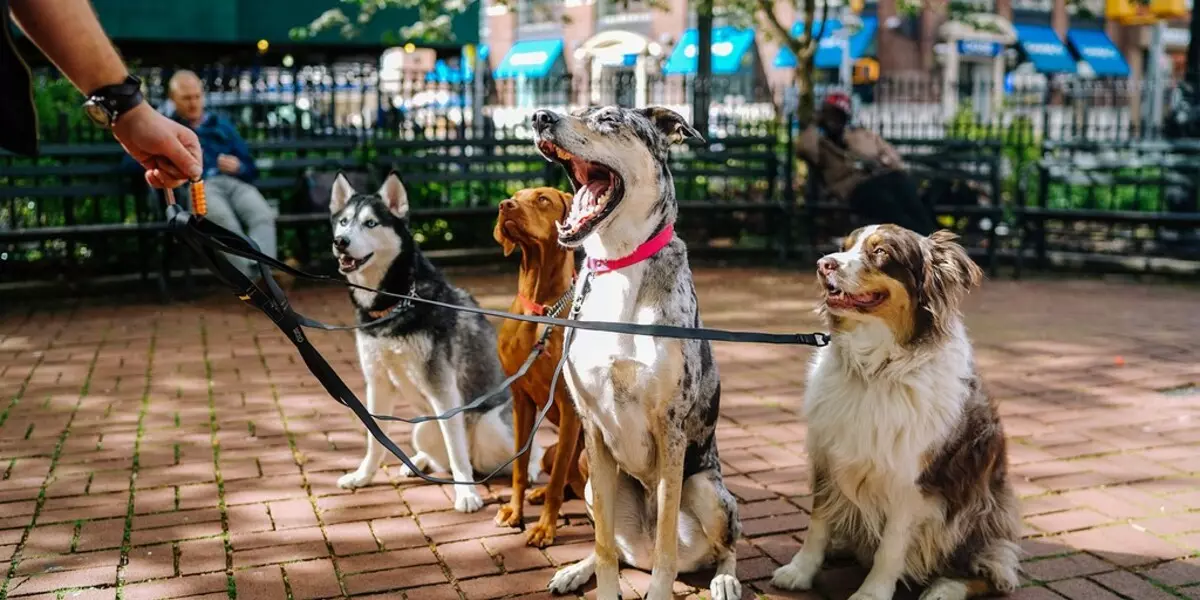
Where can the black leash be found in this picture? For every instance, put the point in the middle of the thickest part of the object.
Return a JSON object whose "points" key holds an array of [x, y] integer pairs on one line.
{"points": [[240, 247], [195, 232], [210, 241]]}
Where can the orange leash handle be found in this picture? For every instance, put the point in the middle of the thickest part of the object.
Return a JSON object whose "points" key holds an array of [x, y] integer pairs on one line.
{"points": [[199, 202]]}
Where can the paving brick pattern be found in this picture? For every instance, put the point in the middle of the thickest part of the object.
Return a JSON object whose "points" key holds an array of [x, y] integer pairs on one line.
{"points": [[185, 451]]}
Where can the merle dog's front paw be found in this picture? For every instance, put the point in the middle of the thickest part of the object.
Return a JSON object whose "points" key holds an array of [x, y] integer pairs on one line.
{"points": [[725, 587], [468, 502], [355, 479]]}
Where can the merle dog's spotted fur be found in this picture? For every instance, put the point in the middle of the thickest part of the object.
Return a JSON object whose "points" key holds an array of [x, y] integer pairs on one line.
{"points": [[649, 414]]}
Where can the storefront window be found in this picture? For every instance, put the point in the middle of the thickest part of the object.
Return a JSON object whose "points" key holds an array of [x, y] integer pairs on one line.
{"points": [[536, 11], [1033, 5], [609, 8]]}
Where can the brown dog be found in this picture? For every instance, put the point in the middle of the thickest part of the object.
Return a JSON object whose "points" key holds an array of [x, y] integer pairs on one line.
{"points": [[547, 271]]}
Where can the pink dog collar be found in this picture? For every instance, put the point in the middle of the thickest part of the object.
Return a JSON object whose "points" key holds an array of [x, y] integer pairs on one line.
{"points": [[648, 248]]}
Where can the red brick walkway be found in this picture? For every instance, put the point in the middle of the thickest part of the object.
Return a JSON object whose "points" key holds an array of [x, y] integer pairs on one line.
{"points": [[184, 451]]}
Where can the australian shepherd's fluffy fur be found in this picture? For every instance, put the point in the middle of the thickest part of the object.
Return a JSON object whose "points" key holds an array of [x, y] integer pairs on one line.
{"points": [[909, 469]]}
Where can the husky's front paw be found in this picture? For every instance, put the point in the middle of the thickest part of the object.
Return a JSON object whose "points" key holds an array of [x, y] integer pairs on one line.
{"points": [[355, 479], [796, 575], [467, 501], [421, 460]]}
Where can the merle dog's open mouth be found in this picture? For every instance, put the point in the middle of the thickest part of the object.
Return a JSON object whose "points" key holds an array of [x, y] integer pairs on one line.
{"points": [[349, 264], [598, 191], [837, 298]]}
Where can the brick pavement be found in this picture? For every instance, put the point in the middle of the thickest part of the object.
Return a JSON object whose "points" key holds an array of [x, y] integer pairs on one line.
{"points": [[184, 451]]}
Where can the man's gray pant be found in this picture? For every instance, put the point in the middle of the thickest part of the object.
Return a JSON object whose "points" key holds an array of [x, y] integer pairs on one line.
{"points": [[240, 207]]}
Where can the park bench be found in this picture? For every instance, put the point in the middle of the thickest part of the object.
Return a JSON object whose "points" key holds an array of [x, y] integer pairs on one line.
{"points": [[728, 189], [960, 180], [74, 215], [1126, 207]]}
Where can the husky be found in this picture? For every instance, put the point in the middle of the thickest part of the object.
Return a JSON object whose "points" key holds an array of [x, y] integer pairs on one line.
{"points": [[437, 358], [648, 405]]}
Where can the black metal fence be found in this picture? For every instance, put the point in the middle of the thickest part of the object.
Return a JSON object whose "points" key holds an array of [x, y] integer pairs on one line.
{"points": [[1018, 192]]}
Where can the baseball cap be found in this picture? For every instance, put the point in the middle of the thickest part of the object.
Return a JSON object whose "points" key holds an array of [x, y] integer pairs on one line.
{"points": [[839, 100]]}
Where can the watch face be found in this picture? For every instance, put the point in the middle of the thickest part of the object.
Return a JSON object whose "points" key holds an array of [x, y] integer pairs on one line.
{"points": [[96, 113]]}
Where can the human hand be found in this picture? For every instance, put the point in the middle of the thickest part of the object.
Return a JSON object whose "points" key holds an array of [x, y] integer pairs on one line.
{"points": [[169, 151], [229, 164]]}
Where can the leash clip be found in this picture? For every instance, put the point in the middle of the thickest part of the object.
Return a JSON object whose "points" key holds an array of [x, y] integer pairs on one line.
{"points": [[822, 339]]}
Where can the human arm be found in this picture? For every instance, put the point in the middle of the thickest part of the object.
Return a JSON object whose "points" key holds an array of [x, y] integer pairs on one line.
{"points": [[69, 34], [246, 169], [809, 143], [888, 156]]}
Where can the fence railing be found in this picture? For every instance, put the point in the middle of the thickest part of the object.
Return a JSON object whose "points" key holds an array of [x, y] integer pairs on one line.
{"points": [[359, 99], [72, 213]]}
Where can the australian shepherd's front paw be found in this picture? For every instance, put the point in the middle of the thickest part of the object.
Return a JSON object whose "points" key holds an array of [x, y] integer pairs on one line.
{"points": [[572, 577], [865, 594], [796, 575]]}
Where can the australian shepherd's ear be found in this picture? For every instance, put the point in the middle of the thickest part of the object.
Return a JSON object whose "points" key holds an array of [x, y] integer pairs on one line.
{"points": [[949, 275]]}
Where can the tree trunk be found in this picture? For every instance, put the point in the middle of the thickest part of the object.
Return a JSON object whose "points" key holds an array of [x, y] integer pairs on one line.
{"points": [[1192, 72]]}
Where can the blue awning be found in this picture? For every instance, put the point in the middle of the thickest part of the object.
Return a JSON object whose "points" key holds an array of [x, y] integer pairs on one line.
{"points": [[444, 73], [730, 47], [1044, 49], [530, 58], [829, 50], [1094, 47]]}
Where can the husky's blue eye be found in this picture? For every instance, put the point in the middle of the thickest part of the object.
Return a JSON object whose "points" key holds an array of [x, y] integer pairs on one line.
{"points": [[344, 221], [370, 223]]}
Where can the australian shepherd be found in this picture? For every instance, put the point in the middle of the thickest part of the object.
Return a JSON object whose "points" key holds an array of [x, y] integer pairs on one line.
{"points": [[909, 468]]}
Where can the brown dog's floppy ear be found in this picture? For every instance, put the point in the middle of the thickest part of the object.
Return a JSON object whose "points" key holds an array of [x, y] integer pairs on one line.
{"points": [[949, 275], [498, 235], [671, 124]]}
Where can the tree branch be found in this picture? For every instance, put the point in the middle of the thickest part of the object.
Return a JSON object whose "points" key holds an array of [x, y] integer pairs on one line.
{"points": [[767, 9]]}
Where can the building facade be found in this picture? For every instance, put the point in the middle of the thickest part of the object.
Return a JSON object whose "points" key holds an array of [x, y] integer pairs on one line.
{"points": [[1002, 44]]}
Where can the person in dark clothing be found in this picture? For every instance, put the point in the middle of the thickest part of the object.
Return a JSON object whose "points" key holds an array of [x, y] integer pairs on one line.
{"points": [[862, 169], [69, 34]]}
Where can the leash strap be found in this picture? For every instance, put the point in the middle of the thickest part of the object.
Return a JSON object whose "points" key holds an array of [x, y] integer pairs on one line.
{"points": [[222, 239], [194, 232]]}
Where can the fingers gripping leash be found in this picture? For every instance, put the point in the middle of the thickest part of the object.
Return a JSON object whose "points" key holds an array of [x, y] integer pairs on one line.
{"points": [[199, 200], [211, 242]]}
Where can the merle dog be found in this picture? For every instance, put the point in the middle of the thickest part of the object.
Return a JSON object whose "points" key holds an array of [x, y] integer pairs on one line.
{"points": [[438, 358], [648, 405]]}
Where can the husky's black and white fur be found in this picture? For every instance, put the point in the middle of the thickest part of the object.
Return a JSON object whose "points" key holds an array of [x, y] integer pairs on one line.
{"points": [[435, 357], [648, 405]]}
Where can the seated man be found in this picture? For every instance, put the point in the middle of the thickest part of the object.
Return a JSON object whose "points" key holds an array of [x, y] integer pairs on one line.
{"points": [[229, 172], [860, 168]]}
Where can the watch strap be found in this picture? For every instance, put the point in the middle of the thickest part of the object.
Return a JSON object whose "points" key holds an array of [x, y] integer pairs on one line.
{"points": [[118, 98]]}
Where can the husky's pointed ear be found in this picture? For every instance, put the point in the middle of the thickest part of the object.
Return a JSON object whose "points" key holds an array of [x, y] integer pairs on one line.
{"points": [[340, 194], [394, 195], [671, 124]]}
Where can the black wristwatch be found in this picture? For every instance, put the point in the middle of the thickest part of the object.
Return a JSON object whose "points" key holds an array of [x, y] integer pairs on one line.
{"points": [[105, 105]]}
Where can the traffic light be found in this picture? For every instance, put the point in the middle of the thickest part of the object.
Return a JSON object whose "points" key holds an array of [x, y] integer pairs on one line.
{"points": [[1130, 12], [1168, 9]]}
